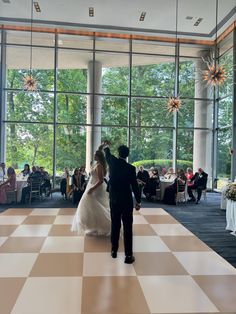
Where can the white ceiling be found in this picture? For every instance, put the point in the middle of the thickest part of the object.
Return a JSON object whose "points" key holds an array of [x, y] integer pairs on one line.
{"points": [[122, 16]]}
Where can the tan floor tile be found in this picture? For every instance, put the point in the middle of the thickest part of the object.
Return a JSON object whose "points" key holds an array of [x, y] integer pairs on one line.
{"points": [[22, 245], [58, 264], [125, 295], [7, 230], [10, 289], [184, 243], [17, 211], [67, 211], [62, 231], [143, 230], [100, 244], [221, 290], [162, 263], [160, 219], [39, 220]]}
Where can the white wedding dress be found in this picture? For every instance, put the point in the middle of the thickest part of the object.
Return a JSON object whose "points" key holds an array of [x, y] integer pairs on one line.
{"points": [[93, 212]]}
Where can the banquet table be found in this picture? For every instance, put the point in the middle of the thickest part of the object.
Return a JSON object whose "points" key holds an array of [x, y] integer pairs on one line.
{"points": [[231, 216], [163, 184], [21, 182]]}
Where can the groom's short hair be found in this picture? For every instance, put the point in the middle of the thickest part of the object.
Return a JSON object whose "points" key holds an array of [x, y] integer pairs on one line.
{"points": [[123, 151]]}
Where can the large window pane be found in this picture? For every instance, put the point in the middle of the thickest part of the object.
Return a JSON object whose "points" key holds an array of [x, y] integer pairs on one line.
{"points": [[150, 144], [24, 38], [31, 144], [114, 110], [227, 62], [117, 136], [18, 64], [224, 157], [72, 70], [75, 41], [153, 76], [153, 47], [115, 73], [187, 78], [113, 44], [71, 147], [30, 106], [185, 149], [71, 108], [225, 112], [186, 114], [150, 112]]}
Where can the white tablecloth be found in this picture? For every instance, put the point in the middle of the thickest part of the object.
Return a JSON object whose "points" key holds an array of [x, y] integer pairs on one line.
{"points": [[20, 184], [163, 185], [231, 215], [223, 198]]}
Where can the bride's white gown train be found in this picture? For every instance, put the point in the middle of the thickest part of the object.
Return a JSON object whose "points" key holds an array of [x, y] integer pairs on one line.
{"points": [[93, 212]]}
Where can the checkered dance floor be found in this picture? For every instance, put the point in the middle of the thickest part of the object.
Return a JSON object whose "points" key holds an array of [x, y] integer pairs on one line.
{"points": [[46, 269]]}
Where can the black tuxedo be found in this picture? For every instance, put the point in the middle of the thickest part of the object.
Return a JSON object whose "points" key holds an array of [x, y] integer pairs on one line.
{"points": [[200, 182], [121, 184]]}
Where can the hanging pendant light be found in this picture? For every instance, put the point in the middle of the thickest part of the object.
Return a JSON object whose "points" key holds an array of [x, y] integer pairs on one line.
{"points": [[30, 83], [174, 102], [215, 74]]}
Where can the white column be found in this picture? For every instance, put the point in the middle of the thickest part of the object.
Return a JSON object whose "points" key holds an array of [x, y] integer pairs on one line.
{"points": [[94, 108], [202, 145]]}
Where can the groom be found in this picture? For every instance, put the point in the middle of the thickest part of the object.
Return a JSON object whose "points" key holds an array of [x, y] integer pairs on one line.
{"points": [[121, 184]]}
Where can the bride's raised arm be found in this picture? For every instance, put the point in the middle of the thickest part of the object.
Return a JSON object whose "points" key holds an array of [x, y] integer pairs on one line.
{"points": [[100, 174]]}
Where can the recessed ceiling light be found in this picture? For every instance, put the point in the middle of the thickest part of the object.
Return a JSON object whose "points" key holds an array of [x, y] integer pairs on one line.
{"points": [[6, 1], [142, 16], [37, 7], [91, 12], [189, 17], [198, 21]]}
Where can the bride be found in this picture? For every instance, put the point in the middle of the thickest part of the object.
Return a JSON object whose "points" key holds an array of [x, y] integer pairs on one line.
{"points": [[93, 213]]}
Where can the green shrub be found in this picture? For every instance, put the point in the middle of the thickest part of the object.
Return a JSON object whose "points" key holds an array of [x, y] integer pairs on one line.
{"points": [[162, 163]]}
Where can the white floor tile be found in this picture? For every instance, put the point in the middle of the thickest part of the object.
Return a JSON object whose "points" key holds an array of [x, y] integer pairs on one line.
{"points": [[57, 295], [63, 245], [44, 211], [31, 231], [175, 294], [171, 230], [64, 220], [11, 220], [102, 264], [149, 244], [16, 264], [138, 219], [204, 263]]}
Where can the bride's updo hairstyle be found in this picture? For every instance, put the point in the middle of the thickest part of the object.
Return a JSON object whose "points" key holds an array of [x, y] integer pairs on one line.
{"points": [[101, 159]]}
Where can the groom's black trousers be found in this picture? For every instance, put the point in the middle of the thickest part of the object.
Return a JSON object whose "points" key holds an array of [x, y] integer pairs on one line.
{"points": [[124, 213]]}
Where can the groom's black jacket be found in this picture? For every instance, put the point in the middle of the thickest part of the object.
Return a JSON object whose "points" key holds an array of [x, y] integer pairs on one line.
{"points": [[122, 180]]}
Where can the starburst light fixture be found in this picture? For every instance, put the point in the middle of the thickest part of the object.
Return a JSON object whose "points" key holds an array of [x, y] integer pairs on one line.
{"points": [[30, 83], [174, 104]]}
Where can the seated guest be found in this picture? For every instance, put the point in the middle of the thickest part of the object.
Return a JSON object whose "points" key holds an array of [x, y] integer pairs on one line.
{"points": [[8, 185], [142, 178], [170, 175], [26, 170], [163, 171], [78, 185], [189, 175], [171, 190], [35, 176], [199, 183], [64, 182], [3, 171], [153, 184], [46, 184]]}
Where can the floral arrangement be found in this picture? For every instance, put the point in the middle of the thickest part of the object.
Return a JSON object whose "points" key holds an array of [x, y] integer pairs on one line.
{"points": [[231, 192]]}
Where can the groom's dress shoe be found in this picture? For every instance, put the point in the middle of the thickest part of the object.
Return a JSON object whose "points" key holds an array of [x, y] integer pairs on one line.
{"points": [[113, 254], [129, 259]]}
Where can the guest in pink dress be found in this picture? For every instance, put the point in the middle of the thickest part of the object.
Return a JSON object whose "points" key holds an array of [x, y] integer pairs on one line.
{"points": [[8, 185]]}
